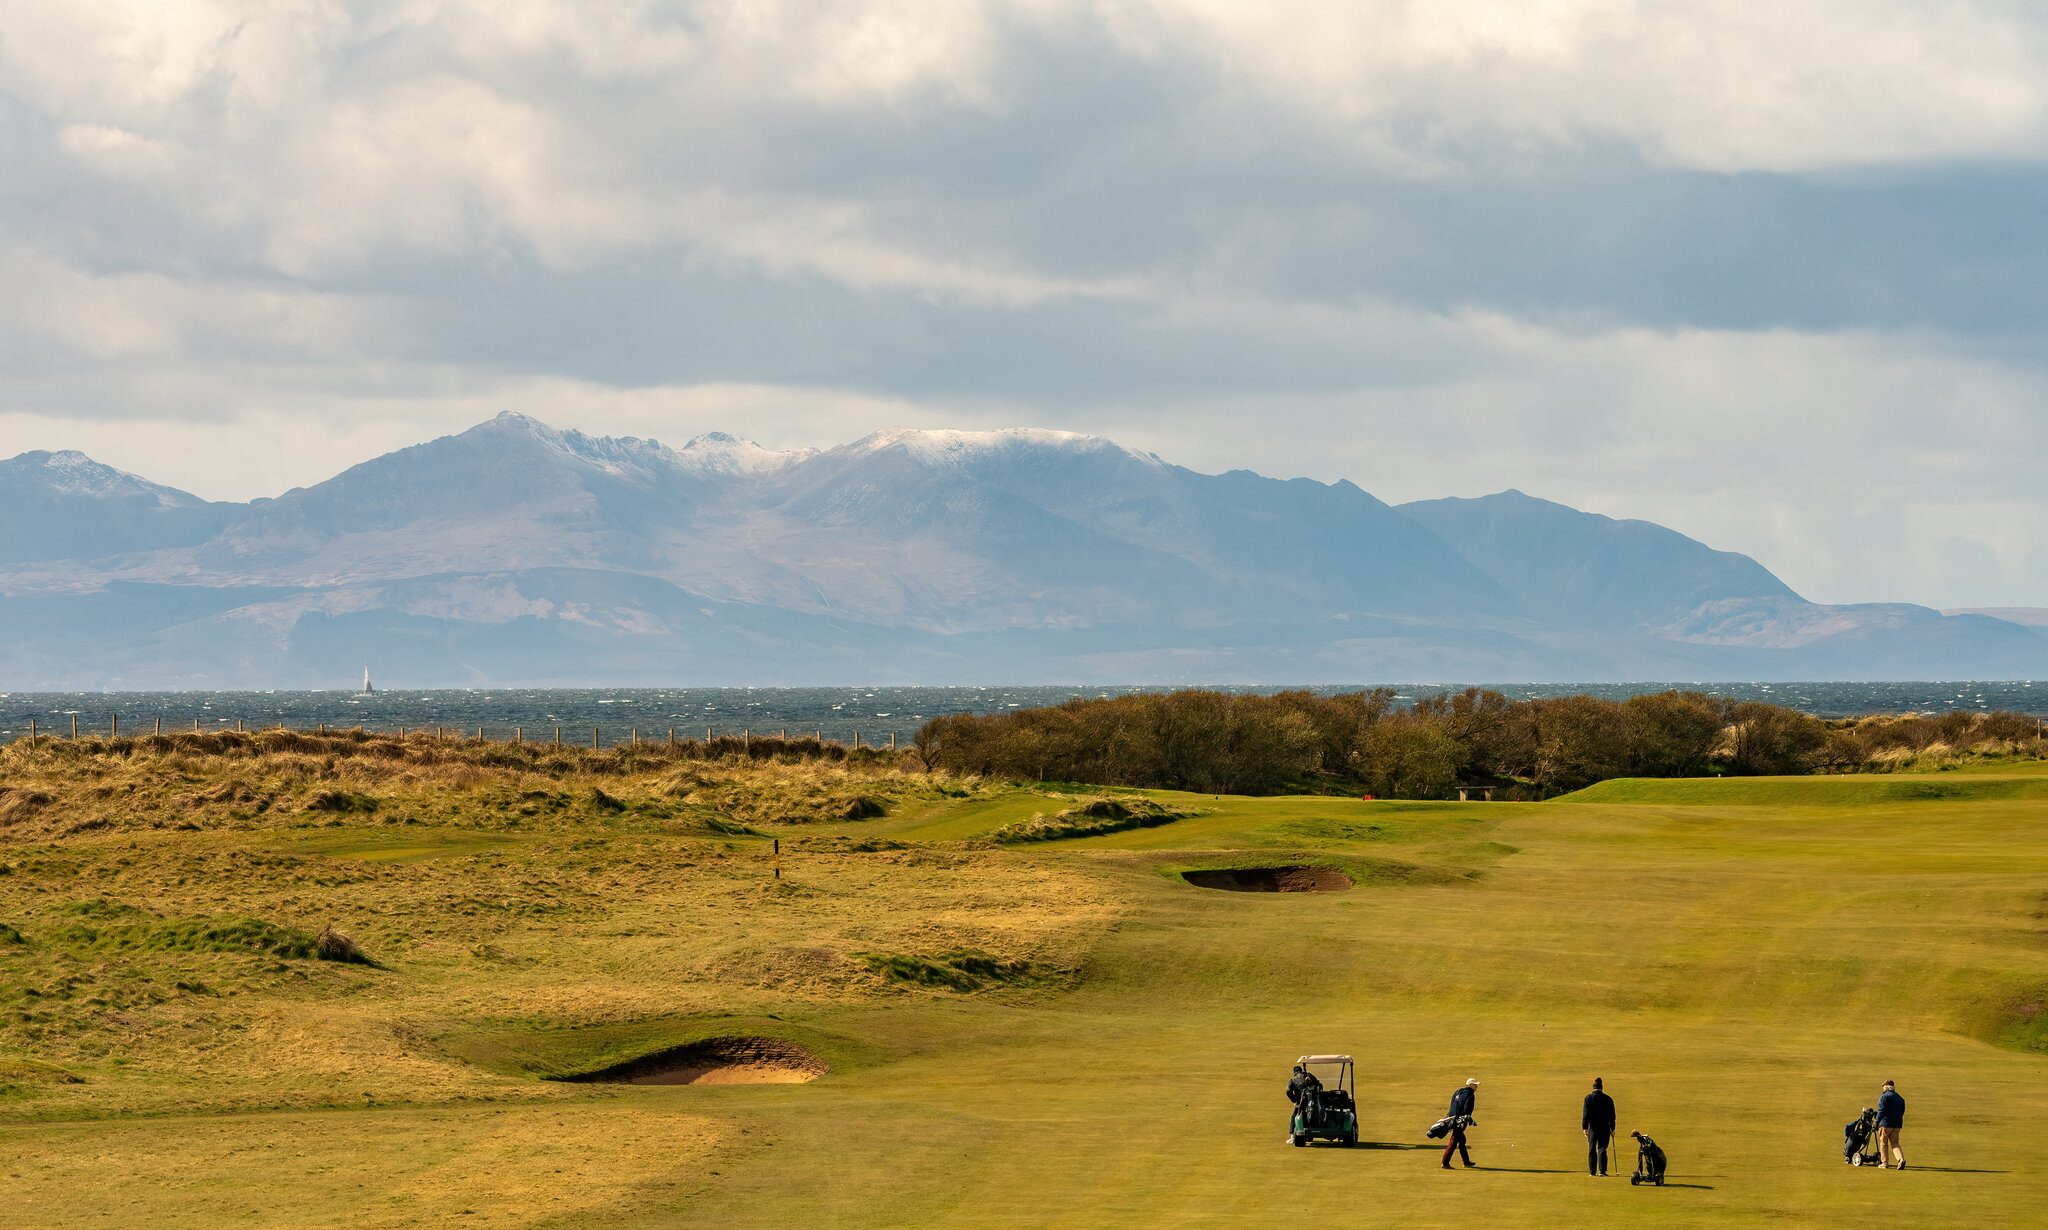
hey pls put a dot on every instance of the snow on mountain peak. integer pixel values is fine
(942, 447)
(718, 452)
(70, 472)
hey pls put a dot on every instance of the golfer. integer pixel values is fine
(1463, 1103)
(1891, 1116)
(1597, 1122)
(1301, 1086)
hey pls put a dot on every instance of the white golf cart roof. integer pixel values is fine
(1305, 1059)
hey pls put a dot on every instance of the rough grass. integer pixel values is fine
(1108, 814)
(963, 969)
(1742, 970)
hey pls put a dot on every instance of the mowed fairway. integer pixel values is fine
(1743, 961)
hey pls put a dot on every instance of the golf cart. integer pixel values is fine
(1330, 1113)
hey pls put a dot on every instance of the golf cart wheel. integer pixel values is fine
(1351, 1141)
(1300, 1139)
(1660, 1180)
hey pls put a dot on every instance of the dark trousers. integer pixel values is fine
(1596, 1150)
(1457, 1146)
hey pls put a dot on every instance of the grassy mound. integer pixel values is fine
(1108, 814)
(963, 969)
(114, 926)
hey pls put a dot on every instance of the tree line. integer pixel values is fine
(1365, 741)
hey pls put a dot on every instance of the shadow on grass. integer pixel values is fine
(1383, 1144)
(1698, 1187)
(1955, 1169)
(1516, 1169)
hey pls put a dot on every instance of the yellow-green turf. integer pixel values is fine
(1742, 961)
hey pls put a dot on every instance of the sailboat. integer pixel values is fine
(367, 689)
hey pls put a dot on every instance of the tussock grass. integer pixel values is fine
(962, 969)
(1108, 814)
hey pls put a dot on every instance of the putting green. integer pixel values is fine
(1743, 962)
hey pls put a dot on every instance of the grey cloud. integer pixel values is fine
(1105, 217)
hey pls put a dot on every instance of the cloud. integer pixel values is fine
(1765, 272)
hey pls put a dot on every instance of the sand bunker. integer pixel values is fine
(1270, 879)
(717, 1061)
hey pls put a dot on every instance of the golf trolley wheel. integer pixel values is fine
(1634, 1179)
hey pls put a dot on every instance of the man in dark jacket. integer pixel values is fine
(1463, 1103)
(1597, 1122)
(1302, 1087)
(1891, 1116)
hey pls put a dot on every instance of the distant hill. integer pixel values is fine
(67, 506)
(1582, 569)
(516, 553)
(2025, 616)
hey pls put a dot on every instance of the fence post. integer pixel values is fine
(558, 736)
(159, 723)
(195, 726)
(892, 740)
(747, 739)
(74, 726)
(31, 734)
(635, 734)
(671, 738)
(113, 726)
(593, 738)
(519, 734)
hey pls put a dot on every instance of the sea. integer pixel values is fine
(873, 715)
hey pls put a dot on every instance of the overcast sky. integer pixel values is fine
(1774, 275)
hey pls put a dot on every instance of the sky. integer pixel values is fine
(1773, 275)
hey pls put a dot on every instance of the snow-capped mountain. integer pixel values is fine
(65, 505)
(519, 553)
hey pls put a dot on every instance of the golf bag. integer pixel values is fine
(1311, 1108)
(1649, 1162)
(1859, 1139)
(1442, 1127)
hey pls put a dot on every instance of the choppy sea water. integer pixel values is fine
(872, 714)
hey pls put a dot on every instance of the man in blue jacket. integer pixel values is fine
(1597, 1122)
(1891, 1116)
(1463, 1103)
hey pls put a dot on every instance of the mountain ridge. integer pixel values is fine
(516, 552)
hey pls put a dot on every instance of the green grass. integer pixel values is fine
(1055, 1033)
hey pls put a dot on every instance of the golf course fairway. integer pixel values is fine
(1061, 1032)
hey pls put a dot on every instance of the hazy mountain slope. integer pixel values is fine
(514, 553)
(1585, 570)
(2034, 617)
(67, 506)
(1047, 529)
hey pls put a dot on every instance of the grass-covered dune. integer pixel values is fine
(927, 1025)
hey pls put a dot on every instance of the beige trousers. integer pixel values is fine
(1888, 1144)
